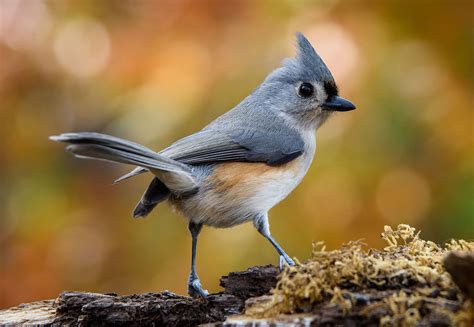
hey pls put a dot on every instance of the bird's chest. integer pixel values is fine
(273, 184)
(235, 192)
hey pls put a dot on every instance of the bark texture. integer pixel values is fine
(149, 309)
(221, 309)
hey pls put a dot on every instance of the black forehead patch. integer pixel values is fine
(331, 89)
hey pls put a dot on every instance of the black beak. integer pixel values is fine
(338, 104)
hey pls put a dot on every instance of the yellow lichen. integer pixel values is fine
(400, 286)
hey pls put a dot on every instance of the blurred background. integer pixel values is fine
(154, 71)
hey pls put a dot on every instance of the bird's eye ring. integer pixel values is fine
(305, 90)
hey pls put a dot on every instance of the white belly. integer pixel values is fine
(236, 192)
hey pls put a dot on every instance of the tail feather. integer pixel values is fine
(102, 139)
(175, 175)
(101, 152)
(135, 172)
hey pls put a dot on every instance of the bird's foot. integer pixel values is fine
(195, 289)
(286, 260)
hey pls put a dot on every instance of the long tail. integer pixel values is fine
(175, 175)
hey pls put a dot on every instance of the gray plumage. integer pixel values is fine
(253, 124)
(240, 165)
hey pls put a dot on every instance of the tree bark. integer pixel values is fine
(149, 309)
(219, 309)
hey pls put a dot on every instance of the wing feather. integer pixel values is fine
(274, 146)
(261, 137)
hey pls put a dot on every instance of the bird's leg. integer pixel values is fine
(263, 227)
(194, 284)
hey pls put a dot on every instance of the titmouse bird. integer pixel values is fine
(243, 163)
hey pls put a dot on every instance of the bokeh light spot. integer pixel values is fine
(337, 48)
(24, 25)
(82, 47)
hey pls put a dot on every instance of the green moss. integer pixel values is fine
(403, 284)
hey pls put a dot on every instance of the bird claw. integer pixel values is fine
(286, 260)
(195, 290)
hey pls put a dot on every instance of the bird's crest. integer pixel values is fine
(309, 60)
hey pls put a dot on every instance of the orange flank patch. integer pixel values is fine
(231, 174)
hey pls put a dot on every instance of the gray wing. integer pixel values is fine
(258, 138)
(239, 135)
(204, 147)
(199, 148)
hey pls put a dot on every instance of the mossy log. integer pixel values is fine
(248, 290)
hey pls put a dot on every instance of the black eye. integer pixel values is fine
(306, 90)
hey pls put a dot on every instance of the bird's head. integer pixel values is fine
(303, 88)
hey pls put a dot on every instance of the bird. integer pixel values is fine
(243, 163)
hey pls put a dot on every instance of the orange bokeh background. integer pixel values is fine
(154, 71)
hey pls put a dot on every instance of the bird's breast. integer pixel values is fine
(235, 192)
